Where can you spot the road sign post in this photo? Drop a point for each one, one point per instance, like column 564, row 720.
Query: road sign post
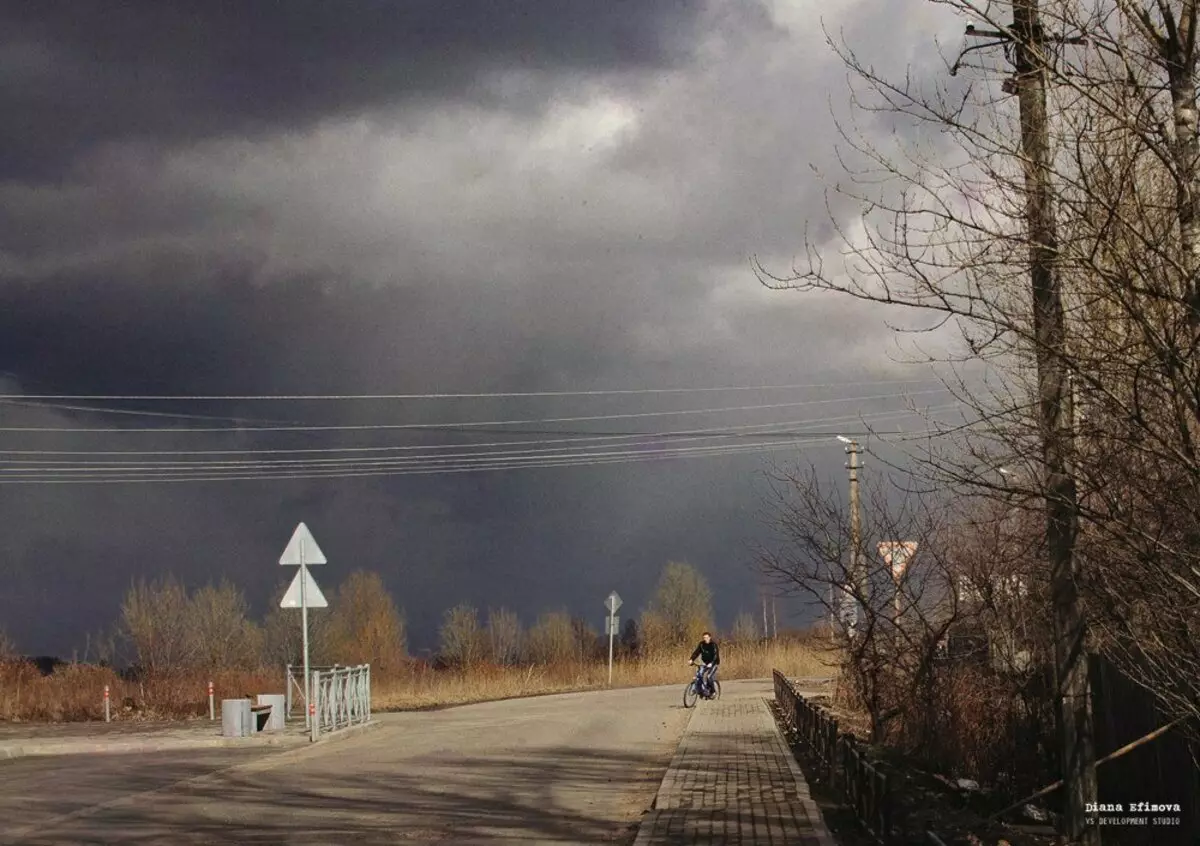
column 303, row 593
column 612, row 603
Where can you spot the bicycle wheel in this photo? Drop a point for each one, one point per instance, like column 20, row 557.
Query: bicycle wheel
column 690, row 695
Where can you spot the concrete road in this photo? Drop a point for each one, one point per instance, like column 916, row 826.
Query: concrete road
column 575, row 768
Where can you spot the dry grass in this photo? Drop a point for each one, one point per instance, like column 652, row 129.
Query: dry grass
column 422, row 687
column 75, row 692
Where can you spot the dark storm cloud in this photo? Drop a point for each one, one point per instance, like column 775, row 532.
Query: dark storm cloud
column 77, row 73
column 289, row 198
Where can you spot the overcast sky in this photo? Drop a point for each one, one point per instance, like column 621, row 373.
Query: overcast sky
column 418, row 197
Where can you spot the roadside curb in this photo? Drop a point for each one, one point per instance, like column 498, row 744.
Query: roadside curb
column 12, row 751
column 822, row 832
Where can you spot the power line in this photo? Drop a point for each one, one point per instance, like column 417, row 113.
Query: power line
column 428, row 396
column 489, row 466
column 461, row 425
column 495, row 457
column 750, row 430
column 540, row 451
column 91, row 409
column 416, row 465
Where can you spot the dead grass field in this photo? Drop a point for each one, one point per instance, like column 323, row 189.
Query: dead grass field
column 75, row 692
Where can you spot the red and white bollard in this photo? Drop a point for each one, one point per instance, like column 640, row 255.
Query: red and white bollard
column 212, row 711
column 107, row 710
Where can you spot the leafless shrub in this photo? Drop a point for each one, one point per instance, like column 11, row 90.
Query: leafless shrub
column 505, row 636
column 154, row 622
column 744, row 629
column 462, row 638
column 221, row 635
column 8, row 648
column 552, row 639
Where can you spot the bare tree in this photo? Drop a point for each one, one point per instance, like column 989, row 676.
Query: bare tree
column 463, row 641
column 892, row 646
column 221, row 634
column 588, row 645
column 552, row 640
column 505, row 636
column 682, row 603
column 154, row 622
column 364, row 626
column 744, row 629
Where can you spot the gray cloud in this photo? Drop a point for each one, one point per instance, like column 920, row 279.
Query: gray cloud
column 89, row 72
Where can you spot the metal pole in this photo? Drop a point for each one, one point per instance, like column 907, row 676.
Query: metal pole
column 304, row 627
column 610, row 646
column 107, row 712
column 212, row 712
column 314, row 722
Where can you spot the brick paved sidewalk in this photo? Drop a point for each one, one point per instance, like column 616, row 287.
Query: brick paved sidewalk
column 733, row 780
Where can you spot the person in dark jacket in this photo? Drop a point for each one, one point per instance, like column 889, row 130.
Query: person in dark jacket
column 710, row 656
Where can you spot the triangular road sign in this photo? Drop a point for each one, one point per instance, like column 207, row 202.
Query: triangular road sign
column 313, row 598
column 897, row 554
column 312, row 552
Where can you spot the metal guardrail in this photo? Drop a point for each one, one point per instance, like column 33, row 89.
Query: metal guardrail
column 295, row 687
column 863, row 785
column 341, row 698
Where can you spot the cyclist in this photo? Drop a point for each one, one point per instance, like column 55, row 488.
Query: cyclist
column 710, row 656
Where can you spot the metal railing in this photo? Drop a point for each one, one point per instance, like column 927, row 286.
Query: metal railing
column 295, row 687
column 341, row 698
column 863, row 785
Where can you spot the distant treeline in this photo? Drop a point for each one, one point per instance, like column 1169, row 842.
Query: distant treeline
column 163, row 628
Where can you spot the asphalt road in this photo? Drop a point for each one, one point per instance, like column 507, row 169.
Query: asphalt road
column 575, row 768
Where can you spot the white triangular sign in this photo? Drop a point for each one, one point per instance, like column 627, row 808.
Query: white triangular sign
column 313, row 597
column 897, row 554
column 312, row 552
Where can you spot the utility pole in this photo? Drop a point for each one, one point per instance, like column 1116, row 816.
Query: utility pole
column 762, row 592
column 774, row 621
column 856, row 578
column 1076, row 740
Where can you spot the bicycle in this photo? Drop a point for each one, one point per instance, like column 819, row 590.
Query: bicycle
column 691, row 693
